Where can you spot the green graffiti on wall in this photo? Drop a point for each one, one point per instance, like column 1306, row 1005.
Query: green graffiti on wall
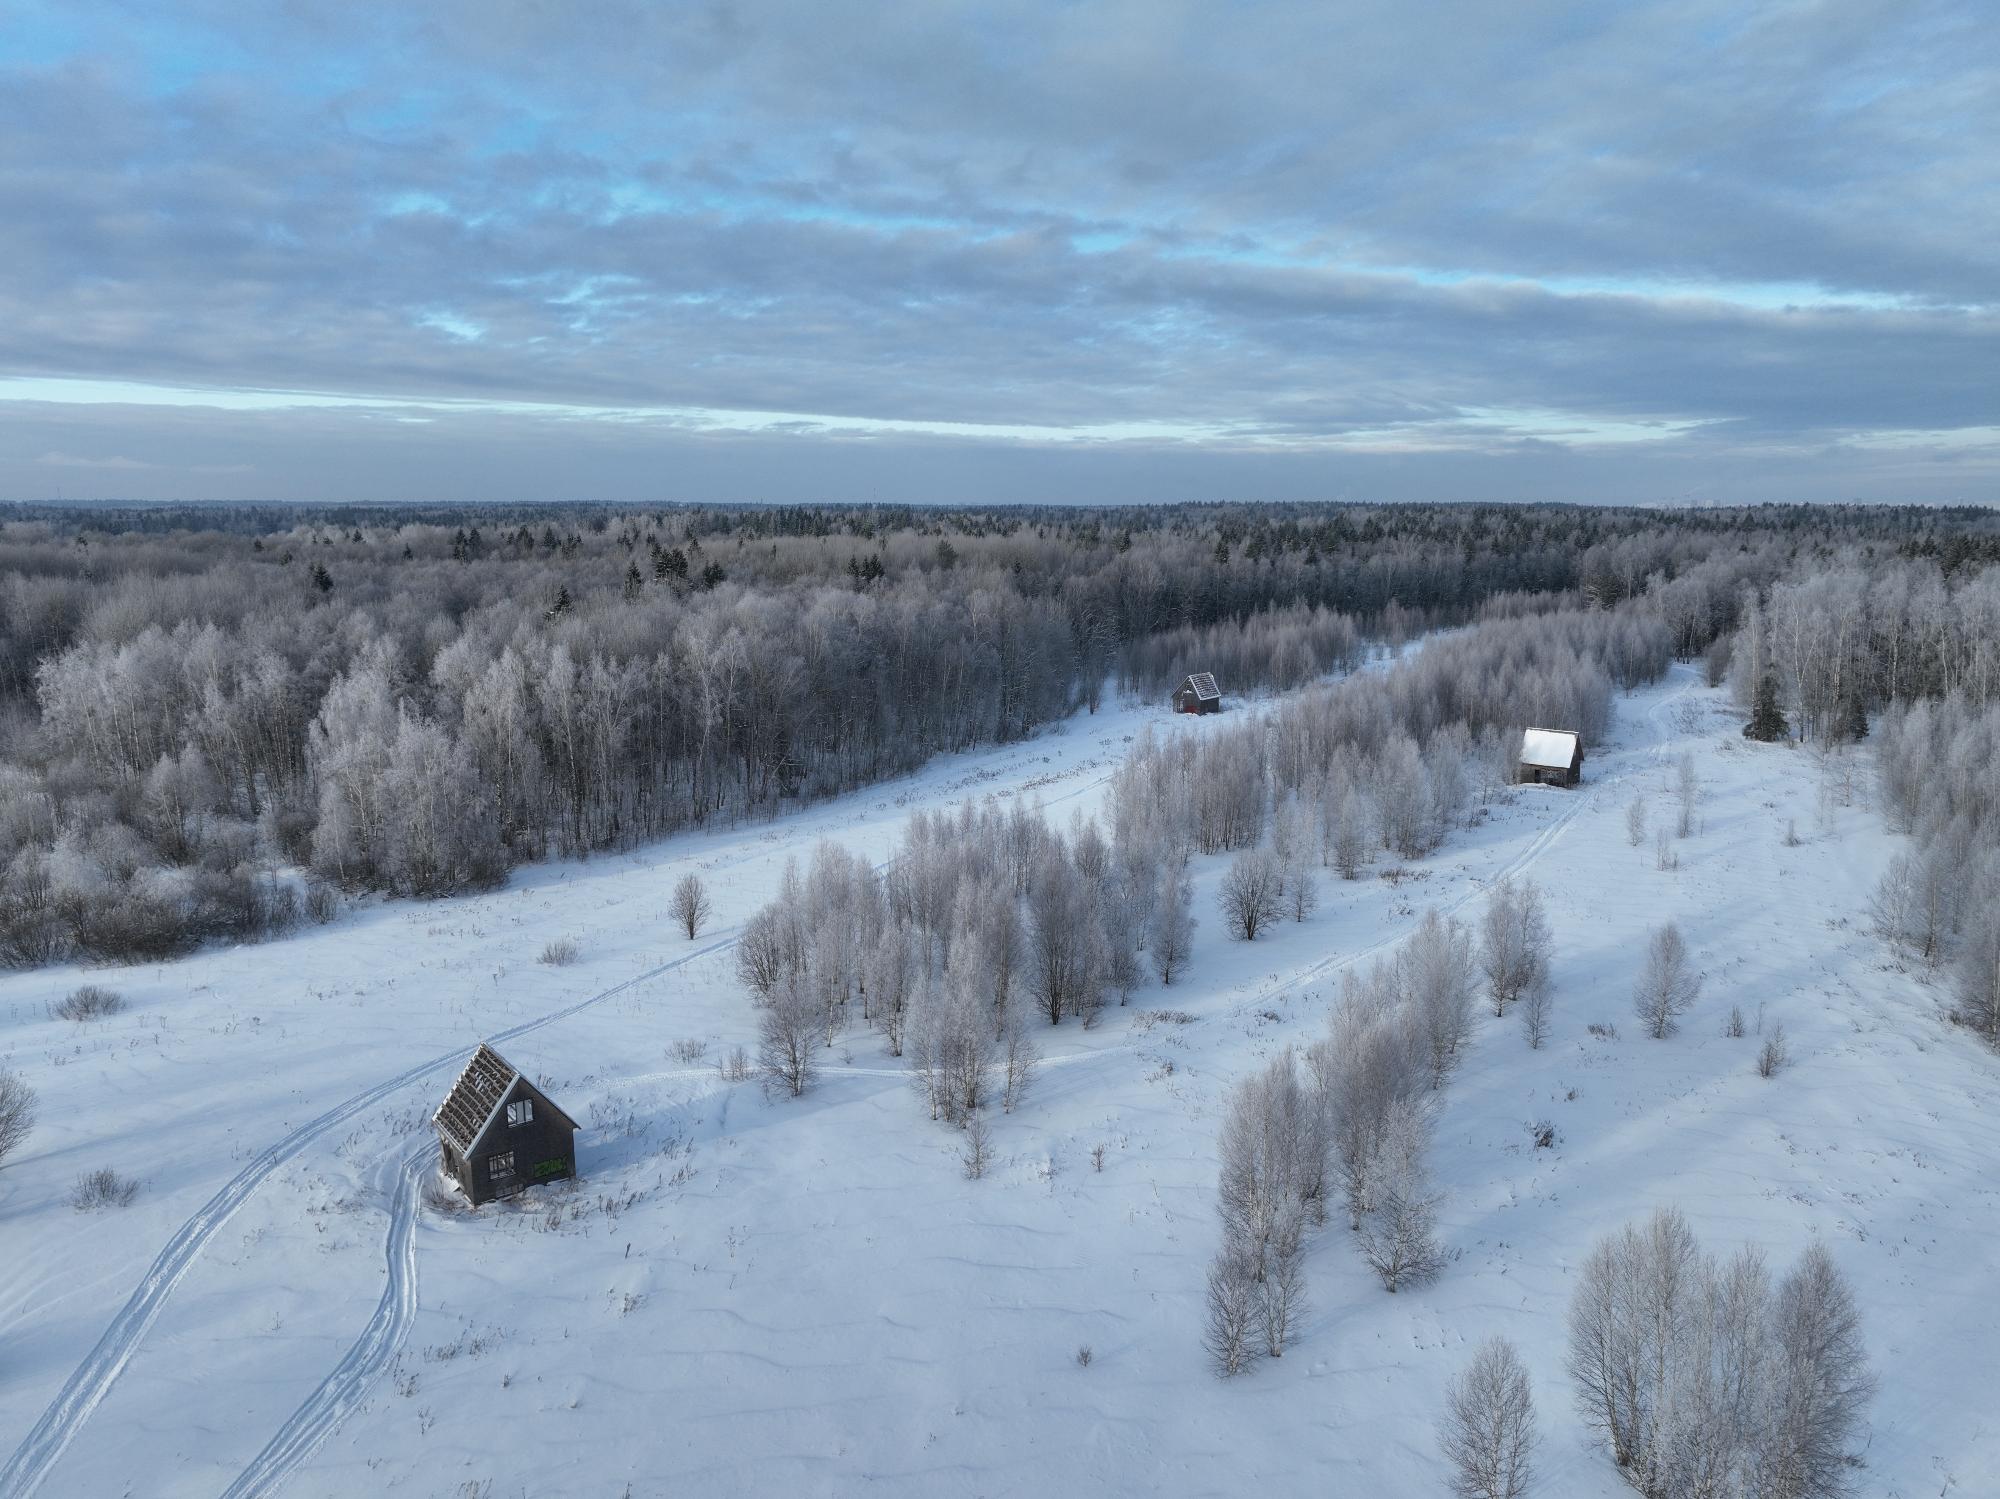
column 551, row 1168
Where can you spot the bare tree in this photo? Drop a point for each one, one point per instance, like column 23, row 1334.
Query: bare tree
column 1064, row 958
column 1352, row 835
column 1170, row 938
column 1819, row 1384
column 690, row 906
column 770, row 945
column 949, row 1041
column 1515, row 942
column 1702, row 1382
column 1301, row 891
column 1536, row 1010
column 1121, row 928
column 788, row 1036
column 1603, row 1360
column 978, row 1148
column 17, row 1112
column 1292, row 847
column 1399, row 1237
column 1281, row 1294
column 1668, row 984
column 1635, row 821
column 1739, row 1366
column 1438, row 978
column 1664, row 854
column 1488, row 1431
column 1629, row 1318
column 1231, row 1321
column 1916, row 903
column 1372, row 1057
column 1250, row 893
column 1402, row 799
column 1976, row 989
column 1687, row 791
column 1018, row 1053
column 1267, row 1166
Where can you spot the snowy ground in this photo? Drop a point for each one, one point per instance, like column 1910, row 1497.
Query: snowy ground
column 750, row 1295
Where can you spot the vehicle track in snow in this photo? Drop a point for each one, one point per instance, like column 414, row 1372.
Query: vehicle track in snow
column 86, row 1388
column 347, row 1386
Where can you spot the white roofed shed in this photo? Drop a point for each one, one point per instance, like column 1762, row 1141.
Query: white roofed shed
column 1551, row 757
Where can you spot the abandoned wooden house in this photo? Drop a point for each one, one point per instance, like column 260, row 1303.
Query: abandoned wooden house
column 1551, row 757
column 500, row 1133
column 1198, row 694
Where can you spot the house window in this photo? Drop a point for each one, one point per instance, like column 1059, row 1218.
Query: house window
column 501, row 1164
column 521, row 1111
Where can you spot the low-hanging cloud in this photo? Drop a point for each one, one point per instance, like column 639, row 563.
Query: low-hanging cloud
column 1684, row 248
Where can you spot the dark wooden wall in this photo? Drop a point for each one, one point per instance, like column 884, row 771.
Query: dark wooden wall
column 544, row 1149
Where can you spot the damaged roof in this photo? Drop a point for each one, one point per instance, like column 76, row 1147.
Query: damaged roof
column 474, row 1098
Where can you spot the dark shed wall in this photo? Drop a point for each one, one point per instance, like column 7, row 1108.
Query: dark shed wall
column 544, row 1148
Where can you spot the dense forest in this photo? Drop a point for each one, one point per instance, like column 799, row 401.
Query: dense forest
column 199, row 704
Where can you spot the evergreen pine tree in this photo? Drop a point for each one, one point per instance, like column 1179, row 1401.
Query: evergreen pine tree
column 1767, row 719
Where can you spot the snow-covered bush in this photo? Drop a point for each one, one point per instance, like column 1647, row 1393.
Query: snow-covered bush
column 89, row 1002
column 1773, row 1055
column 102, row 1188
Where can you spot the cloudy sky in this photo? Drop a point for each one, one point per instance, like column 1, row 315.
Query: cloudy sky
column 517, row 249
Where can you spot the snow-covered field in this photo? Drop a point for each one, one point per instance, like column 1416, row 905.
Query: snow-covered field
column 751, row 1295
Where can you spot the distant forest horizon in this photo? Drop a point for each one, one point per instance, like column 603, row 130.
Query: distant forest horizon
column 215, row 717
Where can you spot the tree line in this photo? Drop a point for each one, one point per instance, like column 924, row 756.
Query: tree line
column 197, row 702
column 987, row 925
column 1938, row 766
column 1351, row 1119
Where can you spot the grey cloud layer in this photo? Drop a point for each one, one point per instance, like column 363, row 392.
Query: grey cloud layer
column 1270, row 226
column 331, row 457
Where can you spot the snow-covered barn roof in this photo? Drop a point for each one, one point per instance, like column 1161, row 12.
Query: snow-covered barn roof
column 463, row 1115
column 1203, row 685
column 1549, row 749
